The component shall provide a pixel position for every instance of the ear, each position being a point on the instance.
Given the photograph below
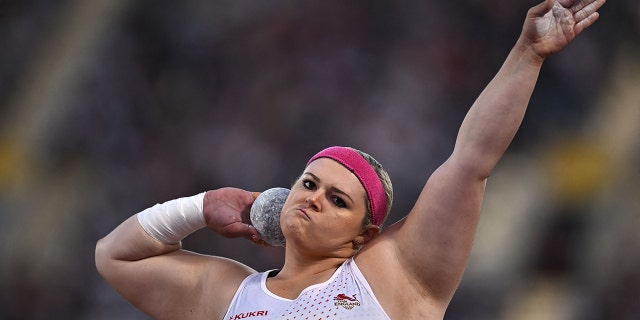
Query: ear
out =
(368, 233)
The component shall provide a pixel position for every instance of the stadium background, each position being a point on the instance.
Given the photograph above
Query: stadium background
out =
(109, 106)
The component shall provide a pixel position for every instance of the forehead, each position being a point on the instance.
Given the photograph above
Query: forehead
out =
(333, 173)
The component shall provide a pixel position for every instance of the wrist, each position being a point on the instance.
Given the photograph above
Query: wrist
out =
(172, 221)
(527, 52)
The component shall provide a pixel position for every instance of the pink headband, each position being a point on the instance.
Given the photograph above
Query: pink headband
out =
(365, 173)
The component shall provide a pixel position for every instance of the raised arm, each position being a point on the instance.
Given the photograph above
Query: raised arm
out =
(147, 266)
(436, 238)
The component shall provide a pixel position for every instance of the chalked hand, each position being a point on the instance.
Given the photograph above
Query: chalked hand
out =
(265, 215)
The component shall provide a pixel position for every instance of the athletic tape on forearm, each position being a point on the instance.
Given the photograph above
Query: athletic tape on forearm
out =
(172, 221)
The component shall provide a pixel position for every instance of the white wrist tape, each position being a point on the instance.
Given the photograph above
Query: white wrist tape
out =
(172, 221)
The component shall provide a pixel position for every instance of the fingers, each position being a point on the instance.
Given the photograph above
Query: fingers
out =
(585, 23)
(566, 3)
(243, 230)
(239, 229)
(261, 242)
(585, 13)
(585, 9)
(253, 235)
(542, 8)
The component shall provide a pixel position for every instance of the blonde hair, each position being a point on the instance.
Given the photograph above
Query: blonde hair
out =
(383, 175)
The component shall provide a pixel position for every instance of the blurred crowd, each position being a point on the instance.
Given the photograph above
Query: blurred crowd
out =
(111, 106)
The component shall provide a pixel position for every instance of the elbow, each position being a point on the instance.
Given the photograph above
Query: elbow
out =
(102, 259)
(106, 263)
(478, 166)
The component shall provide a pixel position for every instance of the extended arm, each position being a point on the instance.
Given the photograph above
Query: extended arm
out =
(436, 238)
(147, 266)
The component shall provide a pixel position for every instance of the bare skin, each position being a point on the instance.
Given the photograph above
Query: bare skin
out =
(414, 266)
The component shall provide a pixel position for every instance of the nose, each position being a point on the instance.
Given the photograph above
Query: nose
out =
(312, 201)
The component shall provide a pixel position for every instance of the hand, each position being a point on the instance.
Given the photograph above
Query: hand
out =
(553, 24)
(227, 210)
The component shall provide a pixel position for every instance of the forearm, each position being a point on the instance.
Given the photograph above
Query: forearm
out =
(154, 231)
(129, 242)
(494, 118)
(141, 260)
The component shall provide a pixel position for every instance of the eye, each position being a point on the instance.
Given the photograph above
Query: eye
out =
(308, 184)
(338, 202)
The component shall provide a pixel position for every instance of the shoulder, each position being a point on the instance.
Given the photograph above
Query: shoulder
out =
(185, 285)
(221, 279)
(399, 291)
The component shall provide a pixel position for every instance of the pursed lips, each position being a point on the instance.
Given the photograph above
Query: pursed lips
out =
(304, 213)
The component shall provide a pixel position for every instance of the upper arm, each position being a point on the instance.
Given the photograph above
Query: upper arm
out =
(175, 285)
(434, 241)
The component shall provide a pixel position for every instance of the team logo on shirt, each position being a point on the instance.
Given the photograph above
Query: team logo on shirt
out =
(345, 301)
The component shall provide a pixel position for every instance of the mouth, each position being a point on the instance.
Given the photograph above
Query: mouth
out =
(303, 213)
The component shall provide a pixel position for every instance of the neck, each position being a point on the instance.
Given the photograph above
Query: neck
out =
(300, 272)
(297, 265)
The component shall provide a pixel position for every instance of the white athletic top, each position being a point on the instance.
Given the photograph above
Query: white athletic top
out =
(346, 295)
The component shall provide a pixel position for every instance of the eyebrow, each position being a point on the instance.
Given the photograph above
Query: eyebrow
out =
(333, 189)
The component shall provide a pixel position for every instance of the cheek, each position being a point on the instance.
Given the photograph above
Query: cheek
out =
(339, 226)
(287, 210)
(289, 223)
